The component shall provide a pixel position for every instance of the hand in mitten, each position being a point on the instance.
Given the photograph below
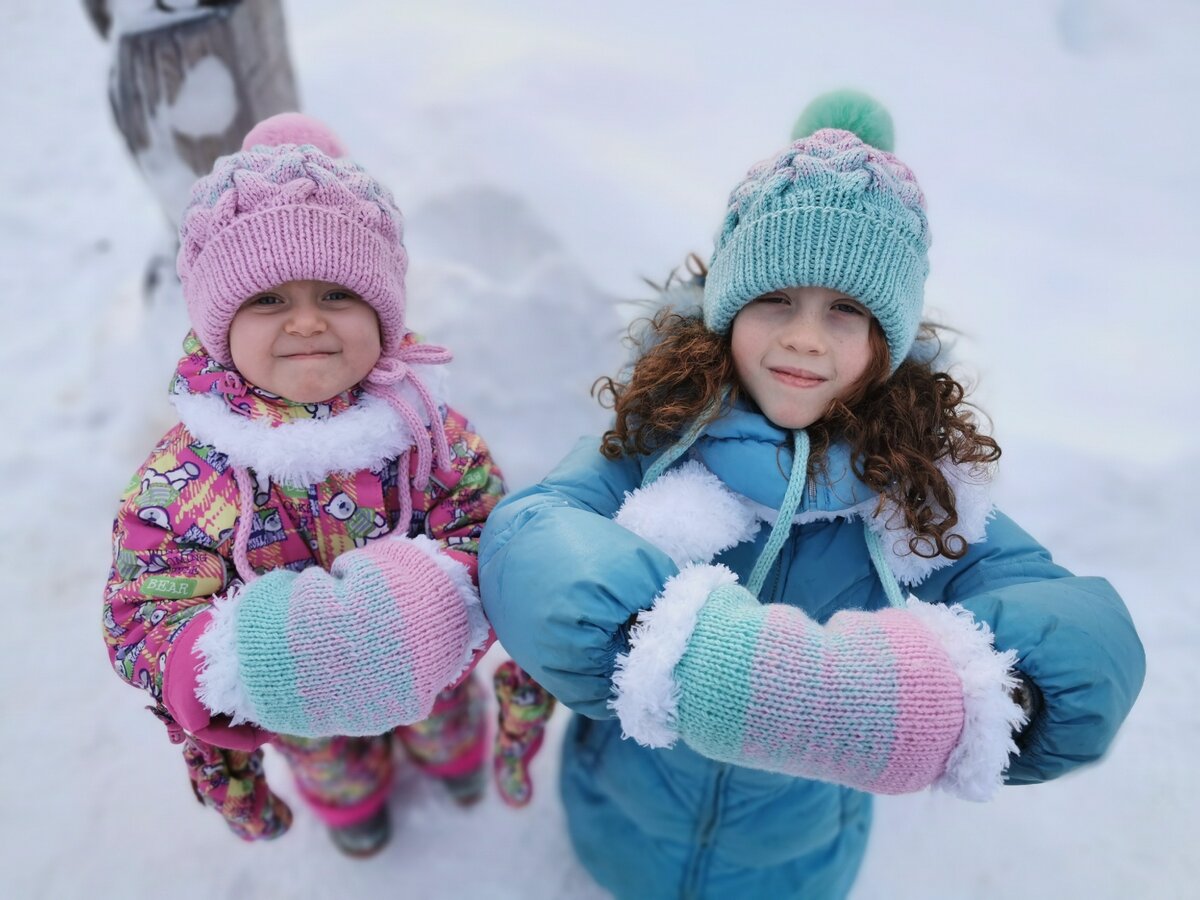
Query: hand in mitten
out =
(356, 650)
(525, 708)
(889, 701)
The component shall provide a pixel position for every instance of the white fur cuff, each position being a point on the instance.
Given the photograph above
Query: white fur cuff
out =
(689, 514)
(977, 764)
(646, 695)
(219, 684)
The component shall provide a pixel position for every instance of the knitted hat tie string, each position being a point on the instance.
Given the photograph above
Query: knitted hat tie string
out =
(797, 479)
(241, 536)
(384, 382)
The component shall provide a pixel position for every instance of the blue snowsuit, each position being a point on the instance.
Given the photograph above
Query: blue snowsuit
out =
(560, 581)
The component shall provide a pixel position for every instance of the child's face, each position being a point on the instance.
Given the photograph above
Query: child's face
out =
(798, 349)
(307, 341)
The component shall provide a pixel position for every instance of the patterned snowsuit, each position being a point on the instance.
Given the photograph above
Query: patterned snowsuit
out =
(173, 556)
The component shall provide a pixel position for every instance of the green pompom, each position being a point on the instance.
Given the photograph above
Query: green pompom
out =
(850, 111)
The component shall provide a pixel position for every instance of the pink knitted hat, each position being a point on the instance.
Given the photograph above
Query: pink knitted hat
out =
(288, 207)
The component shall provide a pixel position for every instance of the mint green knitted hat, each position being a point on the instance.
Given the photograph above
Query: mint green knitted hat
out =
(835, 209)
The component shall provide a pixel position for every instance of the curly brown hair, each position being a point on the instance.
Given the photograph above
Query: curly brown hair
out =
(899, 428)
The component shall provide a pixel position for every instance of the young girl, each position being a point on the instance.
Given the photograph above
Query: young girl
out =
(295, 561)
(724, 579)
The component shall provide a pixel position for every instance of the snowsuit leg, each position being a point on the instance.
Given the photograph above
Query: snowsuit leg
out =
(344, 779)
(451, 743)
(232, 783)
(525, 708)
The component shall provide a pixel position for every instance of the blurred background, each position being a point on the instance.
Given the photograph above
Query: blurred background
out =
(550, 157)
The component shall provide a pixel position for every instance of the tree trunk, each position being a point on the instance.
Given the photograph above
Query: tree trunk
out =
(188, 84)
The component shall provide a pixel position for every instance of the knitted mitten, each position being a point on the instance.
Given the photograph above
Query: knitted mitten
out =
(356, 650)
(889, 701)
(525, 708)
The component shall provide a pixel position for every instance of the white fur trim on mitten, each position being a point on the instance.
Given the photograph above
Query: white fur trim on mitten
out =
(689, 514)
(978, 761)
(219, 685)
(646, 695)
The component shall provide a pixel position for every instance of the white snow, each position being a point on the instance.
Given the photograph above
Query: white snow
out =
(207, 101)
(548, 156)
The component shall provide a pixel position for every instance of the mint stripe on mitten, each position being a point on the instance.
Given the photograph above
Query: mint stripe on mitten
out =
(356, 650)
(889, 701)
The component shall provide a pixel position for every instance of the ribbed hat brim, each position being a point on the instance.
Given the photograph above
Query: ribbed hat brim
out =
(866, 257)
(291, 243)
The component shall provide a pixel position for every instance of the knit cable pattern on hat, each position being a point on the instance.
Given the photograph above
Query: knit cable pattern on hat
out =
(828, 211)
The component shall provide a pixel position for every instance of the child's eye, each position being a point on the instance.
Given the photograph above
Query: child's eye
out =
(265, 300)
(772, 298)
(847, 307)
(334, 296)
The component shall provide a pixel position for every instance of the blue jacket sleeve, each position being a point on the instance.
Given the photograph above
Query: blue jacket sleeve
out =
(560, 580)
(1074, 640)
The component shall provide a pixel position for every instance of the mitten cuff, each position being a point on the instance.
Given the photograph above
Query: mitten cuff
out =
(646, 693)
(180, 684)
(977, 763)
(219, 682)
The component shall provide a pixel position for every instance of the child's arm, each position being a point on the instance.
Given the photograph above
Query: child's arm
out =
(888, 701)
(561, 580)
(357, 650)
(757, 685)
(164, 578)
(1073, 637)
(370, 644)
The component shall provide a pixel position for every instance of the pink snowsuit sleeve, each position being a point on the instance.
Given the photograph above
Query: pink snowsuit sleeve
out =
(459, 502)
(165, 576)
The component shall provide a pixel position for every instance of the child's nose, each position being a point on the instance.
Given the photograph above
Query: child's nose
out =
(306, 320)
(803, 334)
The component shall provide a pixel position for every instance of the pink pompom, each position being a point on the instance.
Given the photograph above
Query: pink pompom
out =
(294, 128)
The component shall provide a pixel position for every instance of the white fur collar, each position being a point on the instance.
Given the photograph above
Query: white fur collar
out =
(302, 452)
(693, 516)
(973, 501)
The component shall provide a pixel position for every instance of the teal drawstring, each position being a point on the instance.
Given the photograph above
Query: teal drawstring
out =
(787, 509)
(682, 445)
(891, 586)
(797, 479)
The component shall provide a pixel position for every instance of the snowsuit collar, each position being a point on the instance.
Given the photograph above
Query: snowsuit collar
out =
(753, 458)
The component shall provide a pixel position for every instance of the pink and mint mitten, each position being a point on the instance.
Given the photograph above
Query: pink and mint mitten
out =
(356, 650)
(888, 701)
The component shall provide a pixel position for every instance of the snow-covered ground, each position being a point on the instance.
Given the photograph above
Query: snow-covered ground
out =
(548, 156)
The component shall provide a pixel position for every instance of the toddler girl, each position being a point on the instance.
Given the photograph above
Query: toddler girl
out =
(294, 563)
